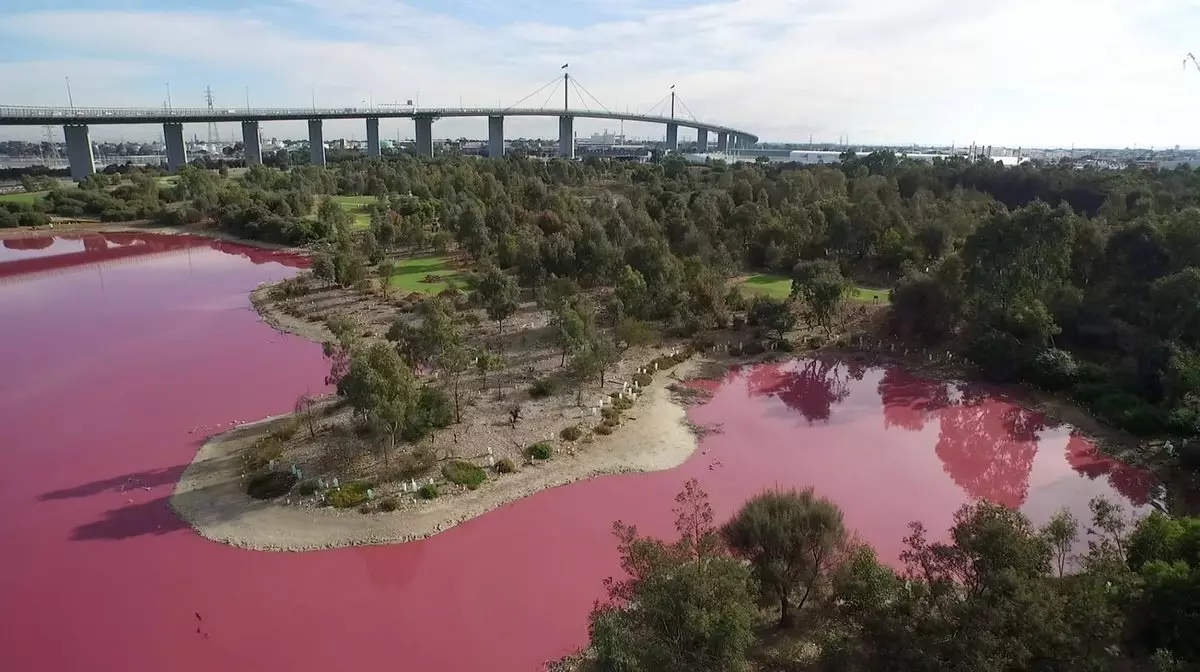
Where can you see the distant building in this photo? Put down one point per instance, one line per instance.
(806, 156)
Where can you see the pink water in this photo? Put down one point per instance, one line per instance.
(118, 364)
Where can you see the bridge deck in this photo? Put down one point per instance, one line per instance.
(11, 115)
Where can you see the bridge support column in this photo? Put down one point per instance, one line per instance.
(566, 137)
(373, 136)
(176, 149)
(722, 141)
(495, 137)
(702, 140)
(79, 152)
(672, 137)
(316, 143)
(424, 136)
(251, 145)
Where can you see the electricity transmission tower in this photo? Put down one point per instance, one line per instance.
(214, 134)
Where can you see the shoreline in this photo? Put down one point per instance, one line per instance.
(77, 227)
(210, 495)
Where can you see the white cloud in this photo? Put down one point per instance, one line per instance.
(1028, 72)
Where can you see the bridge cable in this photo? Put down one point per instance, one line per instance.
(685, 108)
(541, 88)
(552, 92)
(589, 93)
(655, 106)
(581, 98)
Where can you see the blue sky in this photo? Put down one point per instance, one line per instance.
(1002, 72)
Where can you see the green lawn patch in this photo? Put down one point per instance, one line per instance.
(780, 287)
(411, 274)
(357, 206)
(24, 197)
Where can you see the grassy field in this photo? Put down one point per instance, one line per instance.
(779, 287)
(24, 196)
(410, 274)
(357, 206)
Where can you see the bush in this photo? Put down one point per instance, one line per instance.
(610, 413)
(260, 454)
(753, 348)
(434, 410)
(270, 485)
(540, 451)
(784, 346)
(614, 421)
(286, 429)
(543, 387)
(571, 433)
(643, 379)
(737, 323)
(415, 464)
(389, 504)
(1052, 369)
(307, 488)
(364, 509)
(505, 466)
(622, 404)
(428, 491)
(998, 356)
(603, 429)
(464, 473)
(347, 496)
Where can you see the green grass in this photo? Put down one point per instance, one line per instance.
(780, 287)
(357, 206)
(411, 272)
(24, 197)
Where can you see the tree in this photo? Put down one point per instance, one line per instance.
(822, 288)
(486, 363)
(792, 539)
(772, 314)
(499, 293)
(381, 387)
(386, 270)
(683, 607)
(631, 333)
(306, 408)
(1061, 533)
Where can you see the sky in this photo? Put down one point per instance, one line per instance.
(1031, 73)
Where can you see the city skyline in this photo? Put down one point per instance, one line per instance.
(1013, 72)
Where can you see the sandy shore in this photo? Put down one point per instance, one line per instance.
(211, 495)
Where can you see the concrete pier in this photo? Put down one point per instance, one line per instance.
(316, 143)
(672, 137)
(566, 137)
(702, 140)
(424, 136)
(251, 143)
(176, 149)
(722, 141)
(496, 137)
(79, 152)
(373, 136)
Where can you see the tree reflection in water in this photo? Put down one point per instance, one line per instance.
(986, 445)
(812, 387)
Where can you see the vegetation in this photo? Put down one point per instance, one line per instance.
(464, 473)
(997, 595)
(270, 484)
(571, 433)
(348, 495)
(428, 491)
(261, 453)
(540, 451)
(505, 465)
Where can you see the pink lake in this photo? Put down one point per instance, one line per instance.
(123, 351)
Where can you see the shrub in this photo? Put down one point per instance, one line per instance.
(434, 410)
(753, 348)
(540, 451)
(643, 379)
(389, 504)
(505, 466)
(415, 464)
(270, 485)
(428, 491)
(609, 413)
(459, 472)
(998, 355)
(1146, 420)
(612, 422)
(364, 509)
(571, 433)
(603, 429)
(307, 488)
(784, 346)
(1052, 369)
(347, 496)
(261, 453)
(622, 403)
(737, 323)
(543, 387)
(286, 429)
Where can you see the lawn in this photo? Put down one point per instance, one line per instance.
(780, 287)
(410, 274)
(357, 206)
(24, 196)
